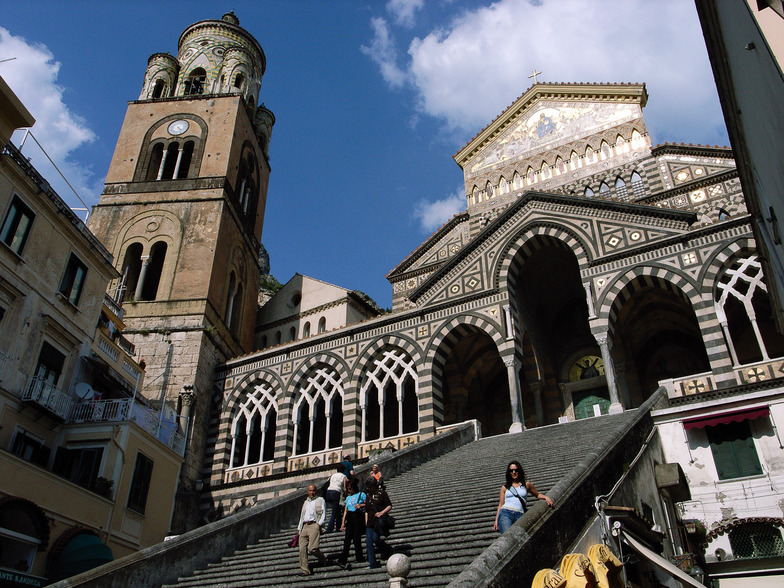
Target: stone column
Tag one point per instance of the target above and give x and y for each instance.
(536, 388)
(188, 397)
(142, 274)
(604, 342)
(515, 397)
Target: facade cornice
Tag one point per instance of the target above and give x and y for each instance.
(428, 244)
(690, 187)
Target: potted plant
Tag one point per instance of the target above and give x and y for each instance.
(103, 486)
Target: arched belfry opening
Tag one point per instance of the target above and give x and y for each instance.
(553, 316)
(656, 336)
(474, 381)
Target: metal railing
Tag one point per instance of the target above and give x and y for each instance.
(164, 429)
(49, 396)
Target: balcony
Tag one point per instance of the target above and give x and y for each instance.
(693, 386)
(152, 421)
(117, 357)
(48, 396)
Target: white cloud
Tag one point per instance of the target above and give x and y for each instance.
(404, 10)
(432, 215)
(32, 75)
(466, 73)
(382, 51)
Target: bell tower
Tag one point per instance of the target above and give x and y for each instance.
(182, 212)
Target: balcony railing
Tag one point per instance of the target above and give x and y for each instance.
(163, 429)
(117, 357)
(49, 396)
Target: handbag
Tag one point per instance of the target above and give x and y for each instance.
(520, 498)
(385, 524)
(294, 541)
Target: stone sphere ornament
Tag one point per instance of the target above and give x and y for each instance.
(399, 566)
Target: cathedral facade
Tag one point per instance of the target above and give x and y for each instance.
(588, 268)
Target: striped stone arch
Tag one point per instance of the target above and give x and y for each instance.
(505, 271)
(626, 285)
(405, 343)
(245, 382)
(716, 263)
(330, 359)
(451, 331)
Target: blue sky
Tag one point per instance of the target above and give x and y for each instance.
(372, 99)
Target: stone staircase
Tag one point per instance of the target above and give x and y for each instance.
(444, 510)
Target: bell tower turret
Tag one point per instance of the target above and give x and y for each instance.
(182, 211)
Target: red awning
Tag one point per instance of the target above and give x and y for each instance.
(748, 414)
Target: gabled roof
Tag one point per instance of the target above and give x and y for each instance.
(427, 244)
(626, 92)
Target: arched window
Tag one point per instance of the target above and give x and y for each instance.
(306, 329)
(236, 310)
(620, 144)
(574, 160)
(239, 79)
(744, 312)
(263, 341)
(150, 275)
(503, 187)
(637, 186)
(230, 299)
(605, 149)
(247, 184)
(278, 338)
(154, 167)
(637, 140)
(254, 428)
(517, 181)
(388, 397)
(195, 84)
(131, 268)
(620, 188)
(318, 412)
(588, 192)
(322, 325)
(293, 333)
(723, 214)
(545, 172)
(604, 189)
(590, 155)
(159, 88)
(560, 165)
(474, 195)
(489, 190)
(530, 175)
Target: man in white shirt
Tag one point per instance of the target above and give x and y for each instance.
(311, 520)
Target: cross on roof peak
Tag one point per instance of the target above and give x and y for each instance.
(533, 75)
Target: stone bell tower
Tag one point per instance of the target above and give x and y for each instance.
(182, 211)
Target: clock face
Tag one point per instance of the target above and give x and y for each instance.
(178, 127)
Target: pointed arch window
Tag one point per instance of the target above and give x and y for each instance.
(196, 82)
(318, 412)
(605, 150)
(306, 329)
(247, 184)
(560, 165)
(322, 325)
(723, 214)
(637, 140)
(545, 171)
(620, 188)
(239, 79)
(489, 190)
(638, 189)
(474, 196)
(388, 397)
(254, 428)
(620, 144)
(590, 155)
(159, 88)
(517, 181)
(588, 192)
(574, 160)
(604, 189)
(530, 176)
(503, 187)
(744, 311)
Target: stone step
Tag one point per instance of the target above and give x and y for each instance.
(444, 511)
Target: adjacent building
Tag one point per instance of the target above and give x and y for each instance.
(89, 471)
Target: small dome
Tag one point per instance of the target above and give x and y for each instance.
(231, 18)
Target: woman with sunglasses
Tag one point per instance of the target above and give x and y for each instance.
(512, 505)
